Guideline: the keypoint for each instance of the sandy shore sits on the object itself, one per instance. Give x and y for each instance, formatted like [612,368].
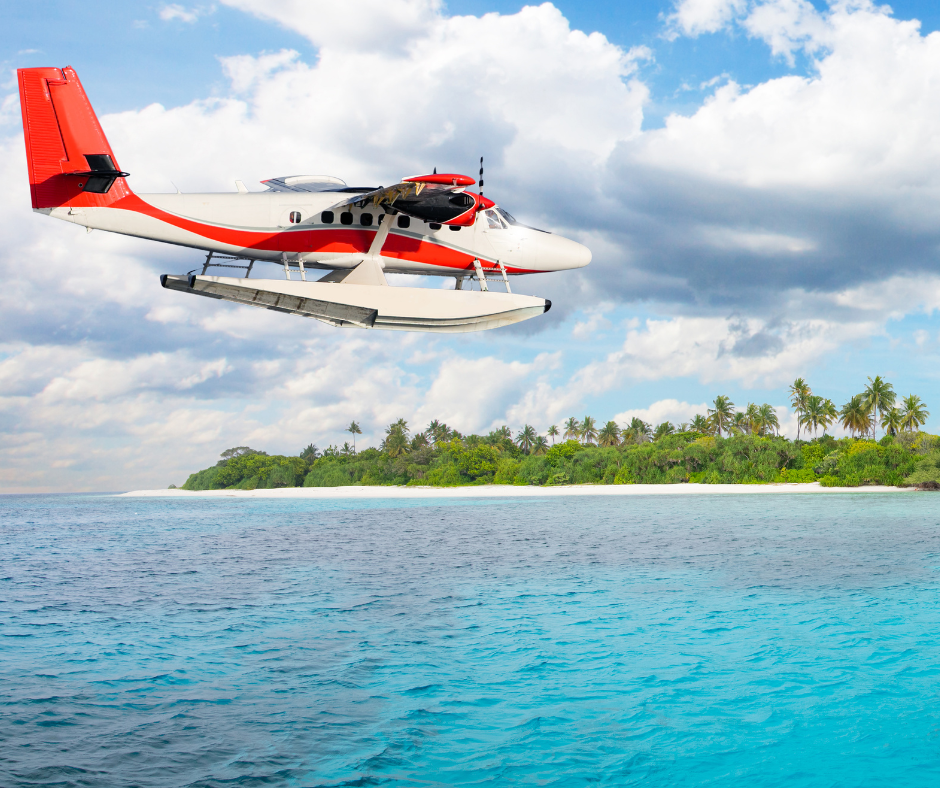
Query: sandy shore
[511,491]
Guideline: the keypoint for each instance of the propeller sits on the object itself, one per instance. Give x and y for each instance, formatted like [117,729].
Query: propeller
[481,176]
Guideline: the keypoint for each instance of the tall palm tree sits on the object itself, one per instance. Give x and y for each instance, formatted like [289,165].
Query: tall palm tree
[752,418]
[572,429]
[879,397]
[814,413]
[609,434]
[721,413]
[588,430]
[854,415]
[436,430]
[553,433]
[639,430]
[526,438]
[540,446]
[829,414]
[768,418]
[893,421]
[663,430]
[700,424]
[354,430]
[800,392]
[915,414]
[395,443]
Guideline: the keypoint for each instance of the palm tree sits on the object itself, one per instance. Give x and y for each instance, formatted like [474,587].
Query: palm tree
[436,430]
[572,429]
[540,446]
[663,430]
[829,414]
[752,418]
[700,424]
[638,431]
[609,434]
[855,415]
[353,428]
[879,397]
[721,413]
[588,430]
[893,421]
[800,392]
[347,449]
[526,438]
[814,413]
[768,418]
[396,438]
[915,414]
[504,433]
[553,433]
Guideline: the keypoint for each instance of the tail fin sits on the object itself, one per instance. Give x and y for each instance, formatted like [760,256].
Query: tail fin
[70,160]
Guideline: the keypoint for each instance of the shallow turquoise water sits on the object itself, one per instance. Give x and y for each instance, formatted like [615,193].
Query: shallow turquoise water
[674,641]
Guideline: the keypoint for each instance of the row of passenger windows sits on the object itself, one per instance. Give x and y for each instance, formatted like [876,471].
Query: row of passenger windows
[365,219]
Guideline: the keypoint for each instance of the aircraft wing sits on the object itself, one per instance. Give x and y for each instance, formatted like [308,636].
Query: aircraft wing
[432,198]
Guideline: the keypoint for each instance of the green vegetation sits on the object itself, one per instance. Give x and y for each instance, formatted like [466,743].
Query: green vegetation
[749,452]
[724,447]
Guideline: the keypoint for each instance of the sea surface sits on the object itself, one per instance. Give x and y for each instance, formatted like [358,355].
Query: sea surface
[768,640]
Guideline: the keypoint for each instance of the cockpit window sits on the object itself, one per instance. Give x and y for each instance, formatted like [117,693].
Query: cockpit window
[493,222]
[507,216]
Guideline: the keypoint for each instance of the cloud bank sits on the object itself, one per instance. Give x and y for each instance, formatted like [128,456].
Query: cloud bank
[759,235]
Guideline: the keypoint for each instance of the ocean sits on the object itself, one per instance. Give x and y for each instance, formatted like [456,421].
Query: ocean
[768,640]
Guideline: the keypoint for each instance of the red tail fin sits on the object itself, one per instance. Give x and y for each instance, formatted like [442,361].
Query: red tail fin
[70,160]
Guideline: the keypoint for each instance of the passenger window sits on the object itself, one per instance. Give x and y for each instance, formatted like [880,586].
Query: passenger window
[345,217]
[326,217]
[295,217]
[434,226]
[404,222]
[454,227]
[365,219]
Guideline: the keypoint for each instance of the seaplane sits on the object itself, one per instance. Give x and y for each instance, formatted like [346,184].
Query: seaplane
[349,237]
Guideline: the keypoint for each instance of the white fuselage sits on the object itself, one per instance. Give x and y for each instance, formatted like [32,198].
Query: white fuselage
[297,227]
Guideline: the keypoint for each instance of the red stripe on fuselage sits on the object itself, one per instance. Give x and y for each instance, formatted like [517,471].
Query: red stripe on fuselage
[338,240]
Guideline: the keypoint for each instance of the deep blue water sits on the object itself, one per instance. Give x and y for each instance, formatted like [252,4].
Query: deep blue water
[661,641]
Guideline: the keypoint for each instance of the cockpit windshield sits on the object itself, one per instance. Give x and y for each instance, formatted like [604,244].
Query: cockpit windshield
[506,215]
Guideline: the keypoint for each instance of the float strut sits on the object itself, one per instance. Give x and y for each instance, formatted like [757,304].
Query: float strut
[480,275]
[502,270]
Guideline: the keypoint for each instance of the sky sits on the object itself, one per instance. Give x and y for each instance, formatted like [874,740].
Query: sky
[758,181]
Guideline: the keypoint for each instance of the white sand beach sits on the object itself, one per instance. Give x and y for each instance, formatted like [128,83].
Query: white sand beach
[513,491]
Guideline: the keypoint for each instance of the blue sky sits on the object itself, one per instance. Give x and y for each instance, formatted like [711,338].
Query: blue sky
[758,180]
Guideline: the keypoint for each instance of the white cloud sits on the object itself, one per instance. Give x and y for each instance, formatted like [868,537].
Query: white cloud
[175,11]
[117,382]
[665,410]
[694,17]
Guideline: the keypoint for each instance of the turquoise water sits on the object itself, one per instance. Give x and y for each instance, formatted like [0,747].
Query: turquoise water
[674,641]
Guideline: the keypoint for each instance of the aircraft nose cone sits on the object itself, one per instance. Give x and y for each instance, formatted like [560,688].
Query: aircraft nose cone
[581,256]
[569,254]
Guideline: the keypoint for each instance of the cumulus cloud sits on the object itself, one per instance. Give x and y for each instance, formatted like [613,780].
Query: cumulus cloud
[665,410]
[764,231]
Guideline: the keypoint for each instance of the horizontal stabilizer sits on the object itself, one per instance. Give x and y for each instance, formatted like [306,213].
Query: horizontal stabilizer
[370,306]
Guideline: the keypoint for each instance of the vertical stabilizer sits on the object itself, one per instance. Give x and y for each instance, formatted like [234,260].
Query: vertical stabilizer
[70,161]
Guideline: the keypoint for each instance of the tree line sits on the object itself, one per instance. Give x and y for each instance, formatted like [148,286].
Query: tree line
[860,416]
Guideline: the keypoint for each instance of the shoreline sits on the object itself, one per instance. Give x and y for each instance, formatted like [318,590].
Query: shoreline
[516,491]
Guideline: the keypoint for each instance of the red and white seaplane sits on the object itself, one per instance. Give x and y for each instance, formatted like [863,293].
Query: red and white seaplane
[426,225]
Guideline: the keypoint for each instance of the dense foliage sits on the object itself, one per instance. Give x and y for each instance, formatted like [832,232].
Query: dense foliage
[907,458]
